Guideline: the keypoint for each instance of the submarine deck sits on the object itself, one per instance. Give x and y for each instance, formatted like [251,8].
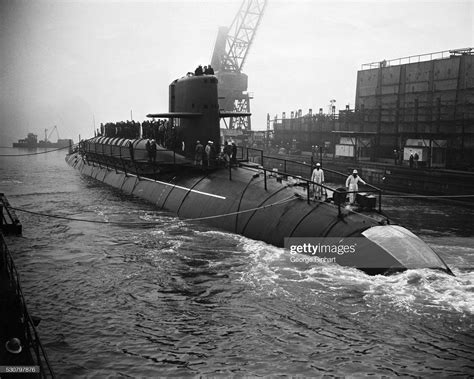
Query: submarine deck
[288,172]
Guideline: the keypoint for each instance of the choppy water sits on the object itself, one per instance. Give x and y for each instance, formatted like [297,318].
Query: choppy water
[182,299]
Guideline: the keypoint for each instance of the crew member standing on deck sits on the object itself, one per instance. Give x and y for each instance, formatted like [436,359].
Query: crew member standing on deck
[212,154]
[148,149]
[153,150]
[233,158]
[351,185]
[198,71]
[198,154]
[130,148]
[317,177]
[226,153]
[208,153]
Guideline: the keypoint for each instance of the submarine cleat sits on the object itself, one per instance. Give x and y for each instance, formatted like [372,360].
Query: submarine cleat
[245,198]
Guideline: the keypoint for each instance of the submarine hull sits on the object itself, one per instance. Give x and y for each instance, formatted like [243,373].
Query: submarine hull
[268,210]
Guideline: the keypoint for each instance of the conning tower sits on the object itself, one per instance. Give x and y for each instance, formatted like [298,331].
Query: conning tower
[194,111]
[197,96]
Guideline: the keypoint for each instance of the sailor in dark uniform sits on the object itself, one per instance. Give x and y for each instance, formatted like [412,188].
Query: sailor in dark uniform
[234,153]
[148,149]
[198,154]
[153,150]
[198,71]
[130,147]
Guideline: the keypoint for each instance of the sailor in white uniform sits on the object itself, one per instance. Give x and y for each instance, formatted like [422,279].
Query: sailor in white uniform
[317,177]
[351,185]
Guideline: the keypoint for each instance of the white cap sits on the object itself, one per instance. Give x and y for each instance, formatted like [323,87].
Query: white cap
[318,164]
[354,172]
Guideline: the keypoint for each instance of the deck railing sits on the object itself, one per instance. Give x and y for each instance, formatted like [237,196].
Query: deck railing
[268,164]
[418,58]
[303,171]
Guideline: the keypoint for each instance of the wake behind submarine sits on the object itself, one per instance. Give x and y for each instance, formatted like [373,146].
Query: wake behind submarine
[244,198]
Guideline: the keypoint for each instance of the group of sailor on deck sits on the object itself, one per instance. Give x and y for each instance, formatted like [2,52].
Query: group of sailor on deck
[207,70]
[351,183]
[208,154]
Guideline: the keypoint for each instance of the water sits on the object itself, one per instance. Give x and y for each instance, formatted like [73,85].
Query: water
[181,299]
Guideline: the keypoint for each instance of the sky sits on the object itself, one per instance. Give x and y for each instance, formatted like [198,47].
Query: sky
[76,64]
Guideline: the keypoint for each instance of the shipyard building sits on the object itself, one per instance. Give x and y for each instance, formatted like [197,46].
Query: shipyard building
[420,104]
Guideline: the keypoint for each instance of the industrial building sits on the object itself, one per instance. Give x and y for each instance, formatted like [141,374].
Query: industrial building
[420,104]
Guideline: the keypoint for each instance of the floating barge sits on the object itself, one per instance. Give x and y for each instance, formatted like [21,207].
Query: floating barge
[31,142]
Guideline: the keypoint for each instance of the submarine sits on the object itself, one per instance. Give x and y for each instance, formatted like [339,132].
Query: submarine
[245,197]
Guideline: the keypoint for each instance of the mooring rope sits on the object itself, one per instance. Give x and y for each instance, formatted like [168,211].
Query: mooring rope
[291,198]
[79,219]
[152,223]
[429,196]
[35,153]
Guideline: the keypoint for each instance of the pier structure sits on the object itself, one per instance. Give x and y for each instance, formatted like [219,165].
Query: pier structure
[421,104]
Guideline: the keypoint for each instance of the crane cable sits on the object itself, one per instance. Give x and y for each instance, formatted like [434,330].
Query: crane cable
[291,198]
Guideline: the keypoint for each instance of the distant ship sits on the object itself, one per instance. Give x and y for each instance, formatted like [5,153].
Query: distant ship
[31,141]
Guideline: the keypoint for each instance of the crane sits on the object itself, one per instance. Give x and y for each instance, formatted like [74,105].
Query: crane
[46,138]
[230,52]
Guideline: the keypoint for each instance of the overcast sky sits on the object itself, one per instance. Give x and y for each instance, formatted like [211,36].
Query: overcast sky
[67,63]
